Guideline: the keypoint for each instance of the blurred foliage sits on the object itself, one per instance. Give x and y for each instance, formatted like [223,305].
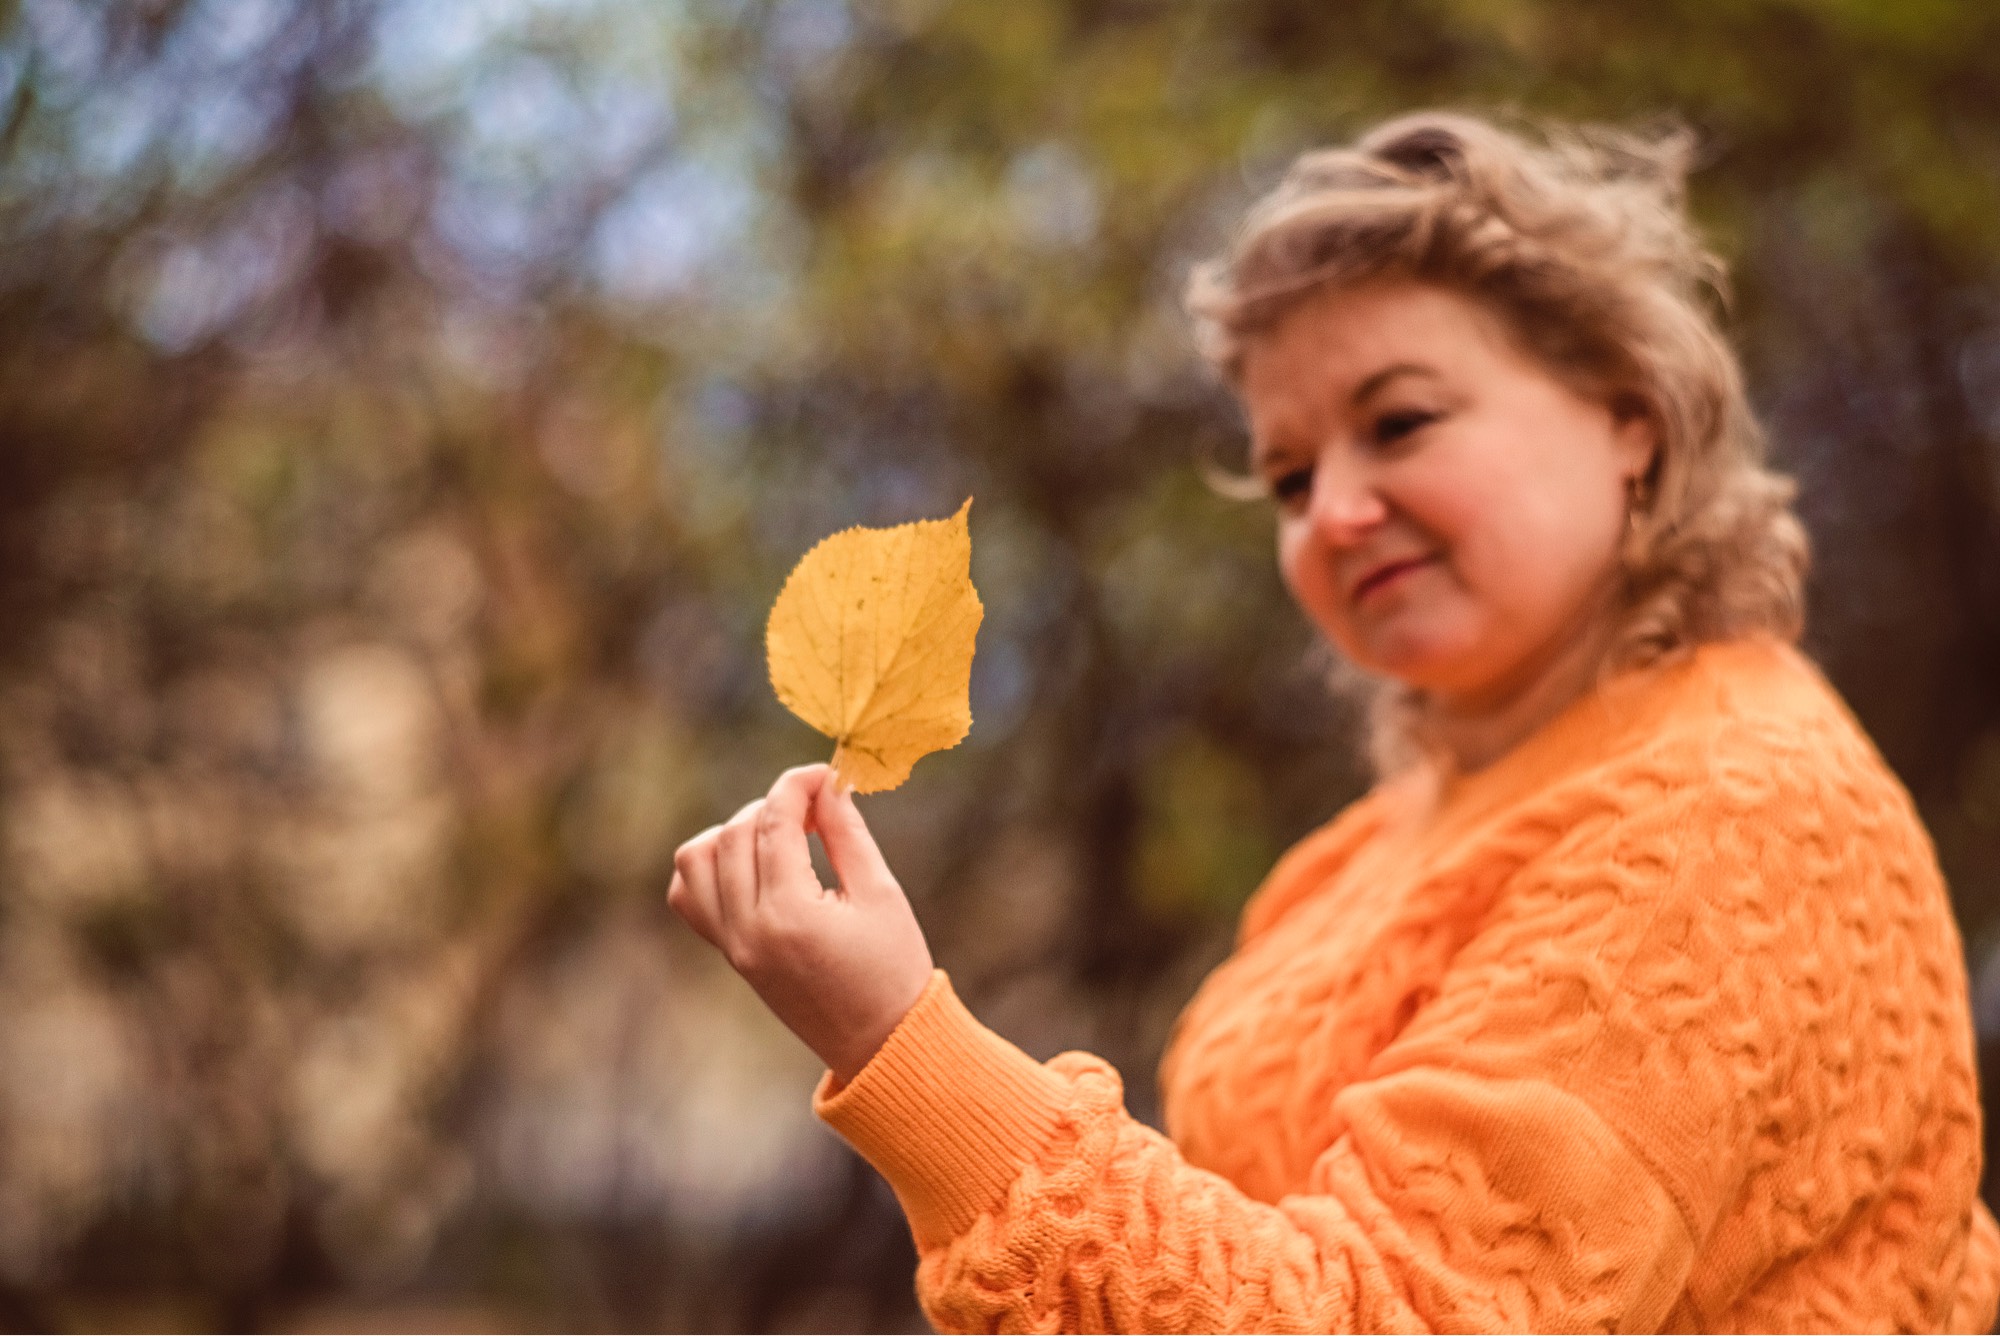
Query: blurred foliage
[410,408]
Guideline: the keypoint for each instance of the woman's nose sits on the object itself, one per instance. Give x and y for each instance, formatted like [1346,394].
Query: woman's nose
[1345,505]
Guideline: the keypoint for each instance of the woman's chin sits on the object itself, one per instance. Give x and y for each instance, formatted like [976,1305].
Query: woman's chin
[1428,663]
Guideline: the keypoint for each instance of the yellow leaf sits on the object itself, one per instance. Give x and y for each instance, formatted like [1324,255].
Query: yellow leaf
[870,642]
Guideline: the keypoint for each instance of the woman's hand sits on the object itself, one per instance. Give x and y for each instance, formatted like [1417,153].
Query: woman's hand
[839,966]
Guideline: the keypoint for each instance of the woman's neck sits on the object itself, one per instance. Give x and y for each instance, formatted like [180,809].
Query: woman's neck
[1477,730]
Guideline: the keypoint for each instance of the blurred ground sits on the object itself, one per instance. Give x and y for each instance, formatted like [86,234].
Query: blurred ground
[409,408]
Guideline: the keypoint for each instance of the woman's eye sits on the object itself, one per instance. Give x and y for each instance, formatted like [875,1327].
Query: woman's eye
[1292,486]
[1392,427]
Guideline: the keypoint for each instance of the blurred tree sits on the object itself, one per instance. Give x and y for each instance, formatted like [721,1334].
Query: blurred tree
[411,407]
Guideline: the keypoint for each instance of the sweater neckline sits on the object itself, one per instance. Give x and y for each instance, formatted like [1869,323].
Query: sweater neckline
[1606,719]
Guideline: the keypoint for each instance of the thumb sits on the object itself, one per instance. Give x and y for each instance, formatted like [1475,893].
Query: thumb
[857,860]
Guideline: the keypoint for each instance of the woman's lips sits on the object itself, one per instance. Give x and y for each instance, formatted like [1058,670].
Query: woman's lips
[1386,574]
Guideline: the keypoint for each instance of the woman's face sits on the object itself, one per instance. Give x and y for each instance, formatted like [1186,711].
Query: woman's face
[1449,511]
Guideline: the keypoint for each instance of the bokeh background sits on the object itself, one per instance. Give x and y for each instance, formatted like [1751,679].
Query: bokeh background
[409,409]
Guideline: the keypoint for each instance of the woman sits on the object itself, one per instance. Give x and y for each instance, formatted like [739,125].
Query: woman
[1629,998]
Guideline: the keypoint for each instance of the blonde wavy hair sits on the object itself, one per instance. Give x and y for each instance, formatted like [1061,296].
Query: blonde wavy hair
[1579,240]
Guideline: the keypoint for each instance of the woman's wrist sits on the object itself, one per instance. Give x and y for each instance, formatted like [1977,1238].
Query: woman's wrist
[856,1051]
[948,1112]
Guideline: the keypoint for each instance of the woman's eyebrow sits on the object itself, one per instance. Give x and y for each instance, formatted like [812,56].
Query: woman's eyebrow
[1262,452]
[1388,373]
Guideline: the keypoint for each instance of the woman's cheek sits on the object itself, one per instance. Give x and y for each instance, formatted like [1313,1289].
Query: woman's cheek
[1311,584]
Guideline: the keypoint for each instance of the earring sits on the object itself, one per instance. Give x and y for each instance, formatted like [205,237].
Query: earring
[1638,499]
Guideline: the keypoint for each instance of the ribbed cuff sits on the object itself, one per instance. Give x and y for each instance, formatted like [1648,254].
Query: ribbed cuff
[947,1111]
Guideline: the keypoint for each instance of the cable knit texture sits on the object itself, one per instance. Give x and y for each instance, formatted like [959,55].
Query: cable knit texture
[1658,1022]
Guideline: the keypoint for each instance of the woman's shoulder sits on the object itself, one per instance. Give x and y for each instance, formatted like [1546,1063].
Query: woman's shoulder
[1711,733]
[1756,721]
[1752,751]
[1741,743]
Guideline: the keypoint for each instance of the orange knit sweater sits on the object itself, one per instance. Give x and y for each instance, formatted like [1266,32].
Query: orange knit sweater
[1658,1022]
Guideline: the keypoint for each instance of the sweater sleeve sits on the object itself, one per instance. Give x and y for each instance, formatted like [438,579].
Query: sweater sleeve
[1453,1201]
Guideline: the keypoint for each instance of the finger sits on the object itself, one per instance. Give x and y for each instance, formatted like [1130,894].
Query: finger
[784,861]
[736,866]
[692,894]
[857,860]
